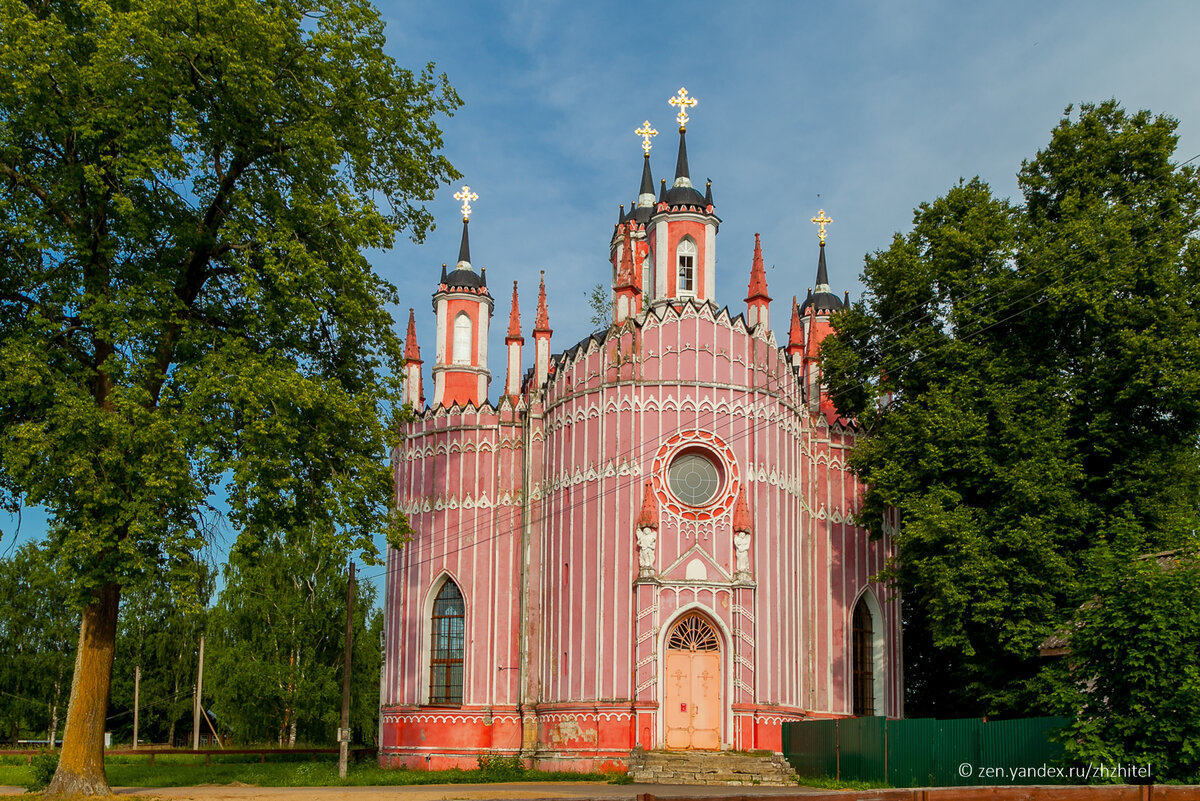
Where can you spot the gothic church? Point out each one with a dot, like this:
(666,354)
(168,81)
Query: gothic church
(648,540)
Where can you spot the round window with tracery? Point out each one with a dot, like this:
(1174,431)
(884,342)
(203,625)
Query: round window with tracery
(693,479)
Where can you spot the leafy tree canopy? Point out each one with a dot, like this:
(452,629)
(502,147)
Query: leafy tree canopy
(1029,377)
(184,303)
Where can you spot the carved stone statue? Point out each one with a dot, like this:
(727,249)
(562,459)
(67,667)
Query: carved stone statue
(647,539)
(741,547)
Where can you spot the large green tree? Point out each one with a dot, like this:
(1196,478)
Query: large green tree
(1029,377)
(276,638)
(184,304)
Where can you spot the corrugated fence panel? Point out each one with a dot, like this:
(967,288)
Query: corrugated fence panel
(910,757)
(956,744)
(924,752)
(1023,749)
(863,748)
(812,747)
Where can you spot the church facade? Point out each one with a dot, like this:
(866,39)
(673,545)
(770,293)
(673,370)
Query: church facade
(649,539)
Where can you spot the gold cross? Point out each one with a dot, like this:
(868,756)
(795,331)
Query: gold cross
(466,196)
(684,102)
(646,132)
(821,220)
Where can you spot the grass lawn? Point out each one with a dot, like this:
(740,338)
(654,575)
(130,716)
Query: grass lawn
(185,770)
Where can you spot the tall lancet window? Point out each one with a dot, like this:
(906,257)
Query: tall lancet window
(864,660)
(447,628)
(462,339)
(686,259)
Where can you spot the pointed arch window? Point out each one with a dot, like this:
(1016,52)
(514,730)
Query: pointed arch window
(447,645)
(462,339)
(685,258)
(864,659)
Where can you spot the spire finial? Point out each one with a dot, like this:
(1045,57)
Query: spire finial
(821,220)
(683,102)
(541,321)
(467,197)
(646,132)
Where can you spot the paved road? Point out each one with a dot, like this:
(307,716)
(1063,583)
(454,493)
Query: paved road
(541,791)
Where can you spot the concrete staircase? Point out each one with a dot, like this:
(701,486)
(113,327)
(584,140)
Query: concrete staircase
(710,767)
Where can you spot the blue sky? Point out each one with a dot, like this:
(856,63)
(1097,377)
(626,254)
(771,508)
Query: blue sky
(862,109)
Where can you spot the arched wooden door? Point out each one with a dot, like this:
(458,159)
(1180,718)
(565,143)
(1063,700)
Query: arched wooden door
(693,685)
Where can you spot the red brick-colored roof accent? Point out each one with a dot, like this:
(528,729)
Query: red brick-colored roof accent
(625,276)
(741,514)
(795,333)
(814,342)
(412,353)
(758,276)
(649,515)
(514,318)
(542,321)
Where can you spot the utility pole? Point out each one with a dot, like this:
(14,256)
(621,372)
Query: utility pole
(196,701)
(137,681)
(344,730)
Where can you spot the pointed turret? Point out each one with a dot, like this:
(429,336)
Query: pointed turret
(514,341)
(821,297)
(413,392)
(682,176)
(464,309)
(541,335)
(758,302)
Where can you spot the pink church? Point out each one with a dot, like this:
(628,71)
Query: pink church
(649,539)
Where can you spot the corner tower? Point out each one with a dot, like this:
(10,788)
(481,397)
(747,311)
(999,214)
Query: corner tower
(681,233)
(463,307)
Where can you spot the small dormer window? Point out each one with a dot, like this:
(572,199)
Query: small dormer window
(686,260)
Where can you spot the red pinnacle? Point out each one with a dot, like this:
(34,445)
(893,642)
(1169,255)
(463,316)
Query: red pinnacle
(542,321)
(758,276)
(625,277)
(412,353)
(514,317)
(795,333)
(741,514)
(649,516)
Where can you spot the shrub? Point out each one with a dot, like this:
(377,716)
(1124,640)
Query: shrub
(41,770)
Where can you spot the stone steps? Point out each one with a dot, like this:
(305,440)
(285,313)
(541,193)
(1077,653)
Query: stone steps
(710,767)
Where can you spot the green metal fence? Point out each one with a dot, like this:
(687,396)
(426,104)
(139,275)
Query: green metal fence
(923,752)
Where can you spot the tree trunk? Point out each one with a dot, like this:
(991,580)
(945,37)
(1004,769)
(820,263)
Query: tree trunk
(81,765)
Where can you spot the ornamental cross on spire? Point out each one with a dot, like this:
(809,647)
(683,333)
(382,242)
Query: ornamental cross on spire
(646,132)
(821,220)
(466,196)
(684,103)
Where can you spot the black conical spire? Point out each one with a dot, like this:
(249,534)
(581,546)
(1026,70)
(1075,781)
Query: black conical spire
(821,297)
(708,193)
(662,196)
(464,248)
(681,163)
(822,272)
(647,187)
(443,272)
